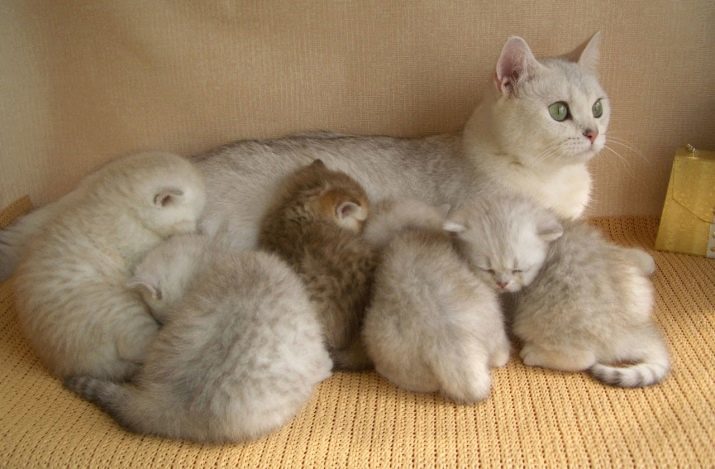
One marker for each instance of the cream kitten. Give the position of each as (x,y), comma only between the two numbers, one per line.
(315,225)
(72,301)
(582,302)
(533,136)
(432,324)
(589,307)
(240,353)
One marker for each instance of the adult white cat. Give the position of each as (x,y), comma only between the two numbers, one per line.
(534,136)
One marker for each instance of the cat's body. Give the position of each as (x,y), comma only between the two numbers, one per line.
(315,224)
(511,141)
(73,304)
(239,354)
(589,307)
(432,324)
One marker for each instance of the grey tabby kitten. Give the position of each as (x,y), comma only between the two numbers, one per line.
(315,224)
(533,134)
(433,326)
(238,356)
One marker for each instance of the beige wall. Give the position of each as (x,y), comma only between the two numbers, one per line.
(84,81)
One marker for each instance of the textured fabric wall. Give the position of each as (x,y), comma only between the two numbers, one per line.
(85,81)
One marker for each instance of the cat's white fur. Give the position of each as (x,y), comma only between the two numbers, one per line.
(510,141)
(516,144)
(240,352)
(72,301)
(432,325)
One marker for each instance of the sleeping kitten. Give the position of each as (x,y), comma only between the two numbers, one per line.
(532,135)
(315,225)
(589,307)
(240,352)
(72,301)
(582,302)
(432,324)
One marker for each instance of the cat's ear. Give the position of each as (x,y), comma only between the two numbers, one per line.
(167,196)
(318,163)
(515,65)
(444,209)
(591,53)
(144,286)
(456,222)
(350,209)
(550,230)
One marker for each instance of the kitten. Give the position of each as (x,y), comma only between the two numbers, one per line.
(72,301)
(582,302)
(240,352)
(432,324)
(315,225)
(590,306)
(511,141)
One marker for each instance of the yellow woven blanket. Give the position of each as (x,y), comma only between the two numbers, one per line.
(534,417)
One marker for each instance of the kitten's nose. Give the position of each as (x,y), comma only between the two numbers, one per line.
(502,284)
(590,134)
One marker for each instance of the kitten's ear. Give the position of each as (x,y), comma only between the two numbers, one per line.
(167,196)
(550,230)
(318,163)
(350,209)
(456,222)
(516,64)
(591,53)
(444,209)
(144,286)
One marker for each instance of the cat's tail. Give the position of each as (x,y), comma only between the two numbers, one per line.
(115,398)
(646,373)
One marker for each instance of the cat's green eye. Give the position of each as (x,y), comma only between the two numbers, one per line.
(559,111)
(597,109)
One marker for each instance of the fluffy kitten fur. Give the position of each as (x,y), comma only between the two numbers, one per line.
(315,225)
(72,301)
(432,324)
(511,141)
(590,306)
(582,302)
(240,352)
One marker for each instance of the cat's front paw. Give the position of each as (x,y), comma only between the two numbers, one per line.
(531,356)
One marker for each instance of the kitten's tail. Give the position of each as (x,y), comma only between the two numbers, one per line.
(646,373)
(113,397)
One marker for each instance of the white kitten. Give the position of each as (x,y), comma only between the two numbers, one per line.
(536,134)
(72,301)
(239,355)
(511,141)
(582,302)
(432,324)
(590,307)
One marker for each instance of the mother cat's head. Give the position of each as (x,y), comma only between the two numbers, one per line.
(545,112)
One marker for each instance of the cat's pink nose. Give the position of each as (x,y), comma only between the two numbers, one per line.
(590,134)
(502,284)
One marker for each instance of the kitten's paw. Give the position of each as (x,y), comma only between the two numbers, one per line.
(572,360)
(500,357)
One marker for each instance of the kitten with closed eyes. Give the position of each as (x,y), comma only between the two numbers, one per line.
(315,224)
(239,354)
(433,325)
(72,301)
(581,302)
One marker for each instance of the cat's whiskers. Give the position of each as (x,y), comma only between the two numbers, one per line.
(625,145)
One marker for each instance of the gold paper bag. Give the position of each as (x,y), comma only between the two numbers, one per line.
(688,221)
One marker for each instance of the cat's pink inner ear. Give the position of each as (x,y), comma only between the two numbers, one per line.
(591,53)
(167,196)
(145,287)
(347,209)
(516,63)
